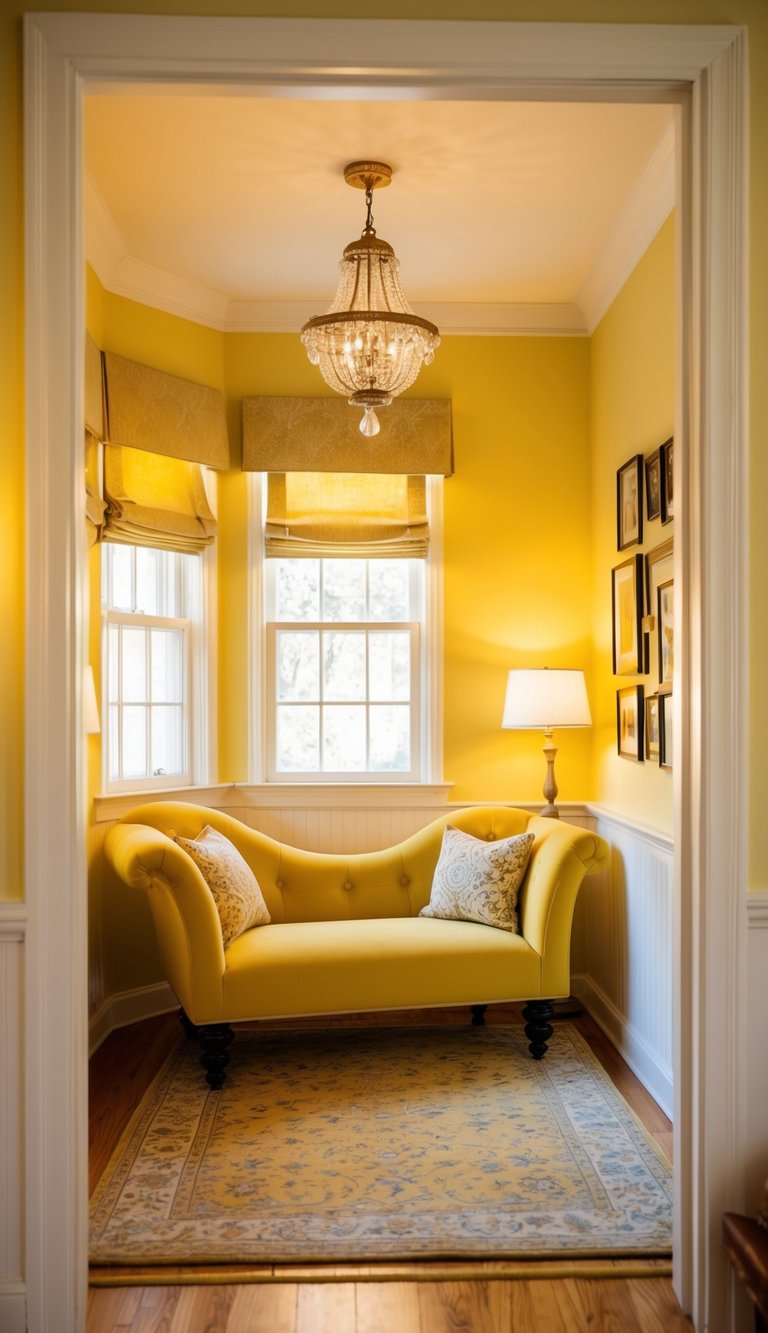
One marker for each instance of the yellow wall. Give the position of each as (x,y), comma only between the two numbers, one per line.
(754,13)
(633,403)
(517,554)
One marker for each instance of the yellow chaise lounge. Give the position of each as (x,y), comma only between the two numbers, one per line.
(345,933)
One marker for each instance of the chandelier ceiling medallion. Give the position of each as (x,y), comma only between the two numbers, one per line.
(370,346)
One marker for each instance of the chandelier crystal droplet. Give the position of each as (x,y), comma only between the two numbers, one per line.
(369,346)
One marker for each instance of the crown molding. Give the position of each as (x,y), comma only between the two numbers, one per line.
(649,206)
(647,209)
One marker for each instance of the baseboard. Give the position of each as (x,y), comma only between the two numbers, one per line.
(128,1007)
(655,1076)
(13,1307)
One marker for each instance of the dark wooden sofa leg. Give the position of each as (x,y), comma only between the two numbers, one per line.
(478,1015)
(215,1039)
(538,1028)
(191,1029)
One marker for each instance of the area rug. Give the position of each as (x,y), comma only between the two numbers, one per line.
(379,1145)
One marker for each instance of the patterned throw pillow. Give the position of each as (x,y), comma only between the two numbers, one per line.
(232,882)
(478,881)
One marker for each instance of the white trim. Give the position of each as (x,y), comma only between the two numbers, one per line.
(13,922)
(757,910)
(433,650)
(414,57)
(655,837)
(13,1307)
(642,1060)
(129,1006)
(648,208)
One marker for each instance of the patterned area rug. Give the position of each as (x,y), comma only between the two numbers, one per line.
(415,1143)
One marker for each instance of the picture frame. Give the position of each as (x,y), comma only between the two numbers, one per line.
(666,731)
(627,607)
(653,485)
(630,720)
(666,454)
(629,503)
(652,736)
(659,566)
(665,633)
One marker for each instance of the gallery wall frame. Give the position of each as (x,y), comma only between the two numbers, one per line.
(653,485)
(666,456)
(666,731)
(627,606)
(652,726)
(629,503)
(630,722)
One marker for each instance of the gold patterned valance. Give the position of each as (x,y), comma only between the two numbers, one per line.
(322,435)
(94,394)
(156,501)
(346,514)
(163,414)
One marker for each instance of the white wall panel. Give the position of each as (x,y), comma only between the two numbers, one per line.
(12,1292)
(622,951)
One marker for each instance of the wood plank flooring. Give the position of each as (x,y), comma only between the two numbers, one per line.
(349,1298)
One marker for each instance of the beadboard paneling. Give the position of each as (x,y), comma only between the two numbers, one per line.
(622,949)
(12,932)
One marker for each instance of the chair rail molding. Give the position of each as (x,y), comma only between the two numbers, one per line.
(483,61)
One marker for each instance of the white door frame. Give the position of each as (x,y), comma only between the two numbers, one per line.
(426,59)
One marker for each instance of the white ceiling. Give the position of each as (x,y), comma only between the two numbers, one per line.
(505,216)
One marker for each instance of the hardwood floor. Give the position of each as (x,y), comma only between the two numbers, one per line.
(350,1299)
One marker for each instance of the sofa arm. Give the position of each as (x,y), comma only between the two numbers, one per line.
(562,856)
(184,912)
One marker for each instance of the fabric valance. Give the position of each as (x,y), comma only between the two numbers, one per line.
(94,390)
(346,514)
(163,414)
(322,435)
(156,501)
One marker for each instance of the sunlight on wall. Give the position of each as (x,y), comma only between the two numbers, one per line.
(633,400)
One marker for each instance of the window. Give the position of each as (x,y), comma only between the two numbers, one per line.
(344,668)
(154,667)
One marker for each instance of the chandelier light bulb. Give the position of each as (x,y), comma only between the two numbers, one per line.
(369,346)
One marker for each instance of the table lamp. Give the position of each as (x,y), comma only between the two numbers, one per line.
(546,698)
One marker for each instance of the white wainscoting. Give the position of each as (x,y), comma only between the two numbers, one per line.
(13,1317)
(622,948)
(756,1153)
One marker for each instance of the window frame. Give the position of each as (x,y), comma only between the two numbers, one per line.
(198,675)
(430,671)
(367,628)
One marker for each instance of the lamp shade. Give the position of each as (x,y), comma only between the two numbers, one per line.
(546,698)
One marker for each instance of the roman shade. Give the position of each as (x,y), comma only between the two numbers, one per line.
(153,500)
(93,409)
(94,505)
(346,514)
(163,414)
(322,435)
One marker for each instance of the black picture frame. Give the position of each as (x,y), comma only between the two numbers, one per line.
(627,614)
(665,633)
(666,453)
(629,503)
(666,733)
(653,485)
(630,723)
(652,726)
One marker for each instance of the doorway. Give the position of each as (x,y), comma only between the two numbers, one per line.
(475,61)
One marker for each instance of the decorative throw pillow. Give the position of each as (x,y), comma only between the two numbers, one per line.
(232,882)
(478,881)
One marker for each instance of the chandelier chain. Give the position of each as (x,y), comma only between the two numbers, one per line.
(369,230)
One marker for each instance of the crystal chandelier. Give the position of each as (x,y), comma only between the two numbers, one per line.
(370,346)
